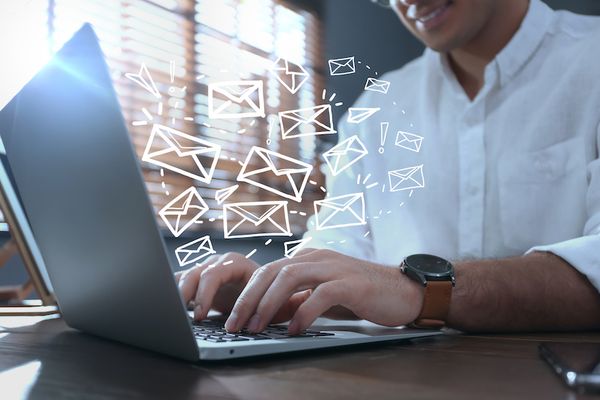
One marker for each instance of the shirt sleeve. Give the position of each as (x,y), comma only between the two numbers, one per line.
(353,241)
(583,253)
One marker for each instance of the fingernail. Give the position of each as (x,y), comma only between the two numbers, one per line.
(231,323)
(254,323)
(293,328)
(197,312)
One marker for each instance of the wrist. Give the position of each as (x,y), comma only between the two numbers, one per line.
(415,293)
(435,278)
(408,295)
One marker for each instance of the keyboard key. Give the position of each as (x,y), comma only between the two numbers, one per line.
(214,331)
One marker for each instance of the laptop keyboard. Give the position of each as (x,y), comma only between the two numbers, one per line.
(214,331)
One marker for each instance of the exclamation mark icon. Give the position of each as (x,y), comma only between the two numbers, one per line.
(385,126)
(172,71)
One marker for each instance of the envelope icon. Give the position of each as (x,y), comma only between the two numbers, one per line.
(358,115)
(343,155)
(237,99)
(406,179)
(276,173)
(409,141)
(194,251)
(261,218)
(289,74)
(340,212)
(181,153)
(306,122)
(342,66)
(376,85)
(183,211)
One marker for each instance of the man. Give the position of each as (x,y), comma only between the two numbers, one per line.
(507,100)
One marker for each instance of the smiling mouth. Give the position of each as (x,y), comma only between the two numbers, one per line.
(429,14)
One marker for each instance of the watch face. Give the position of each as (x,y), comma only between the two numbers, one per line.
(429,265)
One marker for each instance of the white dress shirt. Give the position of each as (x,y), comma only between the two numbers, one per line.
(514,170)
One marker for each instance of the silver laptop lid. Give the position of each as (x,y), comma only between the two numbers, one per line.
(82,190)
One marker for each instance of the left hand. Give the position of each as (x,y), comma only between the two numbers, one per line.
(374,292)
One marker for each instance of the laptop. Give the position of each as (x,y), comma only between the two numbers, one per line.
(82,190)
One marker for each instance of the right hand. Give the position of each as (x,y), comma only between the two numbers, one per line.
(213,285)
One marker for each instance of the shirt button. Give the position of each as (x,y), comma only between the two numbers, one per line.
(544,166)
(539,165)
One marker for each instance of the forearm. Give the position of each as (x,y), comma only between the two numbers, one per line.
(537,292)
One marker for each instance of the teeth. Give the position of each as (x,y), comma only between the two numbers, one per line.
(433,14)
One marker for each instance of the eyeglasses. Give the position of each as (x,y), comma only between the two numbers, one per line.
(383,3)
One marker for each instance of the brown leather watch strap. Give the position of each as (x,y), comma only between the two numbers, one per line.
(436,305)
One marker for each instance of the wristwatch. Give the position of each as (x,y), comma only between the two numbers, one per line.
(437,276)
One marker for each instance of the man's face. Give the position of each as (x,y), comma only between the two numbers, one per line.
(445,25)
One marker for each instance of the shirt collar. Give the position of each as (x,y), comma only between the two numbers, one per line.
(526,41)
(519,49)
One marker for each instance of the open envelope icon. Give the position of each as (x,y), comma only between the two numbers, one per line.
(289,74)
(239,99)
(261,218)
(342,66)
(194,251)
(343,155)
(181,153)
(306,122)
(376,85)
(267,169)
(340,212)
(406,179)
(183,211)
(409,141)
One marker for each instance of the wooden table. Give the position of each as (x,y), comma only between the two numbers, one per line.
(48,360)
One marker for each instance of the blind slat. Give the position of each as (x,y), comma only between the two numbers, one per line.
(190,44)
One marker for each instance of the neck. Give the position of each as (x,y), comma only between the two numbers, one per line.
(469,61)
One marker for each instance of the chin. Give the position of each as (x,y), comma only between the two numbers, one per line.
(440,25)
(442,45)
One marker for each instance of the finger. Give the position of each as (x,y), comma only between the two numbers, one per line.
(291,279)
(324,297)
(214,277)
(287,311)
(177,276)
(188,282)
(340,313)
(304,252)
(255,288)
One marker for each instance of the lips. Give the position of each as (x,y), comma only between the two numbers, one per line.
(427,13)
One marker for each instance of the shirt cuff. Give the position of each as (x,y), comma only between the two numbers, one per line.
(582,253)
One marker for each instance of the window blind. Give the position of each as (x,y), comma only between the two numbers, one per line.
(186,45)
